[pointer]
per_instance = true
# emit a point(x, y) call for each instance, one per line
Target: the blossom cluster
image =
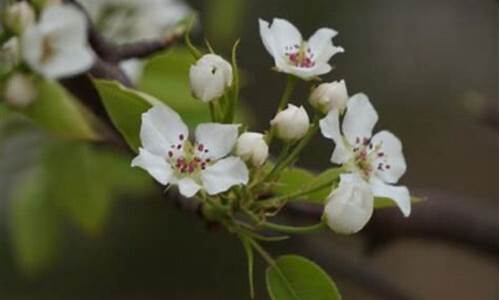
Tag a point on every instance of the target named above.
point(225, 164)
point(224, 158)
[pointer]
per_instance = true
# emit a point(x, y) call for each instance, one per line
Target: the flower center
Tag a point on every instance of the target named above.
point(186, 158)
point(300, 56)
point(47, 49)
point(368, 156)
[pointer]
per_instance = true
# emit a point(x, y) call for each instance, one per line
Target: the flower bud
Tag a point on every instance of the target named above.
point(20, 91)
point(291, 123)
point(9, 55)
point(252, 147)
point(327, 96)
point(210, 77)
point(350, 205)
point(19, 16)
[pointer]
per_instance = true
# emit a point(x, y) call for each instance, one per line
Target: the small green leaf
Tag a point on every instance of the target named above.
point(293, 180)
point(382, 202)
point(58, 111)
point(323, 178)
point(125, 107)
point(296, 278)
point(35, 229)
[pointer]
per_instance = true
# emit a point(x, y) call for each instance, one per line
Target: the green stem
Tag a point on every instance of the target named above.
point(290, 86)
point(265, 255)
point(212, 111)
point(276, 200)
point(294, 229)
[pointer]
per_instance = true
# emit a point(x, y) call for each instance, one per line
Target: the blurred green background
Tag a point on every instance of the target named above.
point(429, 67)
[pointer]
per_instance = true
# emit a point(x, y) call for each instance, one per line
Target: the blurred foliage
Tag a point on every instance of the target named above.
point(223, 21)
point(69, 121)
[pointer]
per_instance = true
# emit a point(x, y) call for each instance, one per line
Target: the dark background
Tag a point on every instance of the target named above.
point(429, 67)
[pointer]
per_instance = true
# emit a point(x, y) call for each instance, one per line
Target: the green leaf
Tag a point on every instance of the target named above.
point(382, 202)
point(125, 107)
point(58, 112)
point(296, 278)
point(293, 180)
point(83, 183)
point(35, 229)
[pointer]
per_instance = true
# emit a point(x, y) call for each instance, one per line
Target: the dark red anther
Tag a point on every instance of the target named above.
point(200, 147)
point(181, 137)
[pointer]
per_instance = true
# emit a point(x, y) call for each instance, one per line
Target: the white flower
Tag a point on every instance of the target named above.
point(350, 205)
point(133, 20)
point(291, 123)
point(169, 156)
point(377, 159)
point(251, 146)
point(19, 16)
point(293, 55)
point(57, 46)
point(20, 91)
point(327, 96)
point(210, 77)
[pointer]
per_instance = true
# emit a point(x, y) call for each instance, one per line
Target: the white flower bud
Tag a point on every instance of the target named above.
point(350, 205)
point(19, 16)
point(251, 146)
point(327, 96)
point(9, 55)
point(20, 91)
point(210, 77)
point(291, 123)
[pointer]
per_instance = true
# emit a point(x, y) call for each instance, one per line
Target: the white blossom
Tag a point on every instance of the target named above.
point(133, 69)
point(251, 146)
point(377, 159)
point(170, 158)
point(350, 205)
point(19, 16)
point(291, 123)
point(57, 46)
point(292, 54)
point(327, 96)
point(209, 77)
point(9, 55)
point(132, 20)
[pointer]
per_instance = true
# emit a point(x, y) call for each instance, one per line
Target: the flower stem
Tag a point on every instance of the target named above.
point(290, 86)
point(294, 229)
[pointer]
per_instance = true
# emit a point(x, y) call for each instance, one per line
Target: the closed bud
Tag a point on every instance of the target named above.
point(19, 16)
point(20, 91)
point(350, 205)
point(9, 55)
point(291, 123)
point(328, 96)
point(210, 77)
point(252, 147)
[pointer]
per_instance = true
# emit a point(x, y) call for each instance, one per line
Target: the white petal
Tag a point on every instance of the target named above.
point(330, 129)
point(391, 165)
point(188, 187)
point(31, 47)
point(219, 139)
point(350, 205)
point(321, 44)
point(266, 36)
point(359, 120)
point(398, 194)
point(155, 165)
point(161, 127)
point(68, 62)
point(284, 34)
point(224, 174)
